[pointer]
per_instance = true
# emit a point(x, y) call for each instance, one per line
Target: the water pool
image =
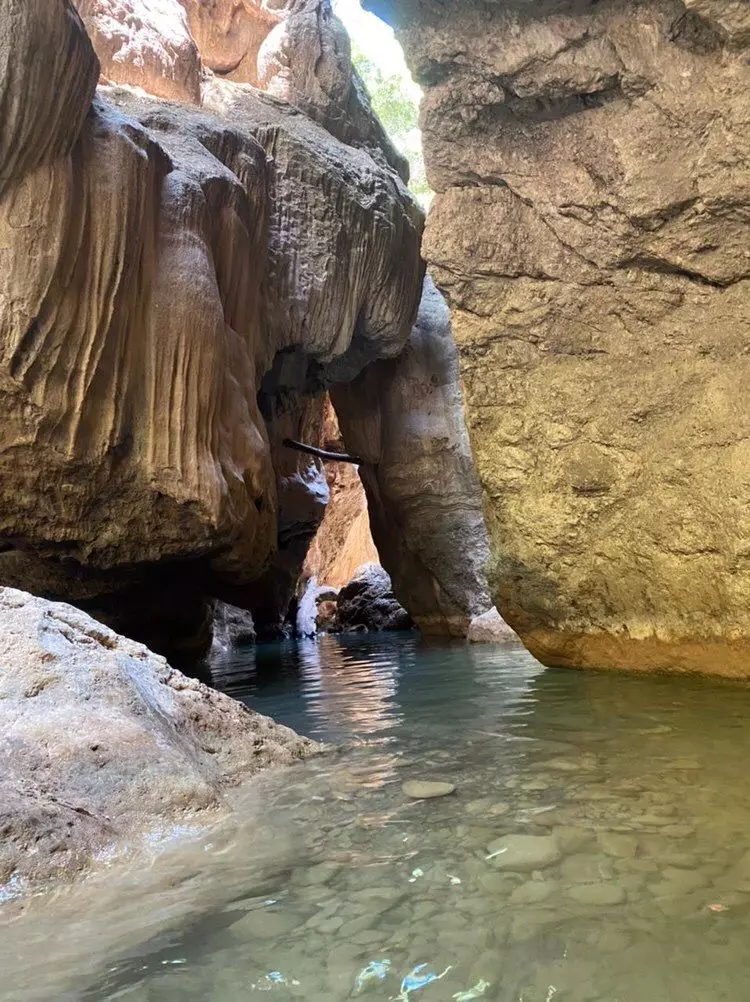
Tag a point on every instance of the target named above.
point(597, 846)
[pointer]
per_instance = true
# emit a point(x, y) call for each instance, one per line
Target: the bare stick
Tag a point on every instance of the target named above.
point(311, 450)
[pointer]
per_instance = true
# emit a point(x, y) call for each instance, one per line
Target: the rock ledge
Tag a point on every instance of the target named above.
point(102, 741)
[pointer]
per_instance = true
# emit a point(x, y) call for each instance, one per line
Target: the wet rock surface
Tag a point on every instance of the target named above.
point(427, 789)
point(601, 302)
point(232, 627)
point(103, 745)
point(367, 602)
point(489, 628)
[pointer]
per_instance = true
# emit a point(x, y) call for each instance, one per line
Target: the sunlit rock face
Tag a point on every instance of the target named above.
point(344, 541)
point(404, 417)
point(146, 43)
point(156, 259)
point(591, 230)
point(229, 33)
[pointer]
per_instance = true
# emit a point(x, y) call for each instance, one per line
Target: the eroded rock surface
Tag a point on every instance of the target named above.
point(155, 261)
point(591, 230)
point(367, 603)
point(101, 742)
point(405, 418)
point(146, 43)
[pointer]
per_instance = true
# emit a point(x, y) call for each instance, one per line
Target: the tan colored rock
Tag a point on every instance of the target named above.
point(101, 742)
point(591, 231)
point(229, 34)
point(302, 494)
point(427, 789)
point(405, 419)
point(306, 61)
point(344, 541)
point(155, 261)
point(341, 316)
point(146, 43)
point(48, 72)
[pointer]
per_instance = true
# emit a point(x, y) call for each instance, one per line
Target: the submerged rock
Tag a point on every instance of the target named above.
point(524, 853)
point(102, 741)
point(426, 789)
point(368, 603)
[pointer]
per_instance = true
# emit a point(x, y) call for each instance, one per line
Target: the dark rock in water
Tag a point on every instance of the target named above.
point(232, 626)
point(368, 603)
point(327, 618)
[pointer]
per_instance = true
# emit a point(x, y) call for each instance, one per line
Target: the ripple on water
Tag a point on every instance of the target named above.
point(597, 846)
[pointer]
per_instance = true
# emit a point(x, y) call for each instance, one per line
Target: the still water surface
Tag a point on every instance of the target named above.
point(597, 846)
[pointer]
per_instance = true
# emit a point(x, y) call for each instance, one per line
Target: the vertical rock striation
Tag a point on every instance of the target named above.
point(591, 230)
point(156, 259)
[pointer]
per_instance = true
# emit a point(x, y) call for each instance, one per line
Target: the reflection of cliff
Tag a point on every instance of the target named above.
point(590, 229)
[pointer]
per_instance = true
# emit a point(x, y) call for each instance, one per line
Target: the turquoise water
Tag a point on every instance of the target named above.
point(597, 846)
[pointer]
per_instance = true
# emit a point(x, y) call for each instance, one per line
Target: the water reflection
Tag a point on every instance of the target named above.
point(636, 886)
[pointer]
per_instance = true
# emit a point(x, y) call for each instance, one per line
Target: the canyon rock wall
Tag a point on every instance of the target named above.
point(592, 231)
point(404, 417)
point(156, 259)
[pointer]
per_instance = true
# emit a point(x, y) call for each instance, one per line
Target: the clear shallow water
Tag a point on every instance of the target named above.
point(635, 888)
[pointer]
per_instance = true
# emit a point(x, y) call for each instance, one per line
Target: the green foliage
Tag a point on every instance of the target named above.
point(398, 110)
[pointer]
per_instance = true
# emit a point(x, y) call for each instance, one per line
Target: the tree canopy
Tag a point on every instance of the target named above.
point(395, 105)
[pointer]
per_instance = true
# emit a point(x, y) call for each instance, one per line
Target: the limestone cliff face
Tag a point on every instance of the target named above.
point(404, 417)
point(161, 263)
point(591, 229)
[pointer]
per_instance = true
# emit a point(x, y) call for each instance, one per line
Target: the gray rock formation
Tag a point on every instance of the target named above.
point(489, 628)
point(405, 418)
point(367, 603)
point(102, 742)
point(591, 230)
point(231, 627)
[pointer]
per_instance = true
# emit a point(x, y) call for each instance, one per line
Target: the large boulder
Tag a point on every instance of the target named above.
point(591, 230)
point(405, 418)
point(102, 742)
point(146, 43)
point(231, 627)
point(367, 603)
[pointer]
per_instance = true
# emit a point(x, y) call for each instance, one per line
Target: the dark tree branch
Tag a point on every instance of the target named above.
point(311, 450)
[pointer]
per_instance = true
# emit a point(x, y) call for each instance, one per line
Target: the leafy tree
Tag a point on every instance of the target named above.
point(398, 110)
